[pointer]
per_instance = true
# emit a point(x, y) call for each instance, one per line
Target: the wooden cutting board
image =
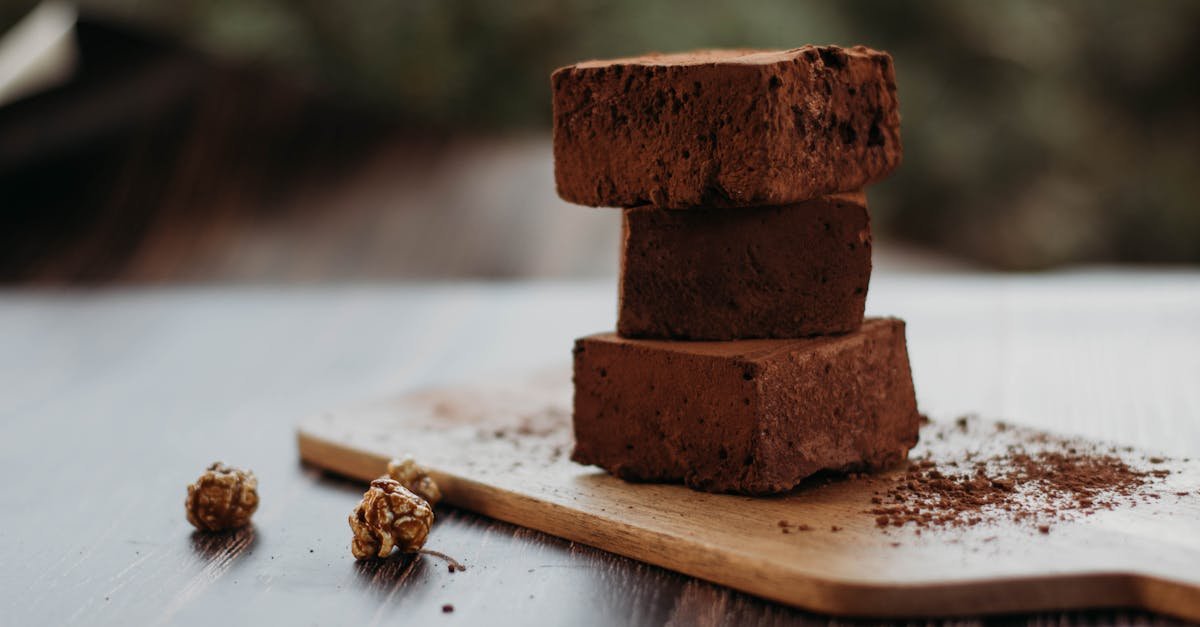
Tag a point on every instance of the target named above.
point(503, 450)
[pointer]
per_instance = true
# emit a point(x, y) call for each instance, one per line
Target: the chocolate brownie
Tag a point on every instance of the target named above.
point(713, 274)
point(724, 128)
point(751, 417)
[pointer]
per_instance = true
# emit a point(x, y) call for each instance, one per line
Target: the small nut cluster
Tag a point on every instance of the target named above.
point(389, 516)
point(414, 477)
point(222, 498)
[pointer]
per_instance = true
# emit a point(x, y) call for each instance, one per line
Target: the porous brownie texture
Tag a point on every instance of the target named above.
point(750, 417)
point(724, 128)
point(761, 272)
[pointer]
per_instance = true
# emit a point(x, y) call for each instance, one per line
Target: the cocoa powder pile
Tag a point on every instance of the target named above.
point(963, 477)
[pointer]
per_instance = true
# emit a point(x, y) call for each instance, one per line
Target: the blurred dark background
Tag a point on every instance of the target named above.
point(295, 141)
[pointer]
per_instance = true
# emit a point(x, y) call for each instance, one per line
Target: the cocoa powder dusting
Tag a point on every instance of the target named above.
point(1013, 474)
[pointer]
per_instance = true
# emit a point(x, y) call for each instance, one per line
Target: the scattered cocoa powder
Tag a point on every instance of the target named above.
point(969, 478)
point(786, 527)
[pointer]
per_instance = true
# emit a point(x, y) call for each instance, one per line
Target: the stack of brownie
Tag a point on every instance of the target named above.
point(741, 362)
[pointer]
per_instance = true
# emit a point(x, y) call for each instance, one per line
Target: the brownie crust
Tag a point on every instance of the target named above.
point(749, 417)
point(761, 272)
point(724, 128)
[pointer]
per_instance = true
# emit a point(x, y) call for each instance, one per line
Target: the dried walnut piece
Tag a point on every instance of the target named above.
point(222, 498)
point(414, 477)
point(389, 516)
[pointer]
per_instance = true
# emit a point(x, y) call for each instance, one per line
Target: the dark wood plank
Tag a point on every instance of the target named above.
point(112, 401)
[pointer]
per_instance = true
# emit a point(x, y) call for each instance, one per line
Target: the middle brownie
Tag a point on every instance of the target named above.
point(762, 272)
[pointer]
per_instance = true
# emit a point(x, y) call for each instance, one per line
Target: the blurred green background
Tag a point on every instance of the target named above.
point(1036, 133)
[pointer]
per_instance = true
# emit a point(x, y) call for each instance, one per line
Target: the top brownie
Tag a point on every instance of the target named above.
point(724, 128)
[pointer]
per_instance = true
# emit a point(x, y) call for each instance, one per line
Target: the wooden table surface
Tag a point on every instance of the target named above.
point(111, 401)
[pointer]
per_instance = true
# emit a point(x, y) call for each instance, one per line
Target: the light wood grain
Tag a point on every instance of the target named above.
point(502, 449)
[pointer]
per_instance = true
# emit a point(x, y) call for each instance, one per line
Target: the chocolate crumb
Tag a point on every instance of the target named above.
point(835, 528)
point(803, 527)
point(447, 608)
point(956, 479)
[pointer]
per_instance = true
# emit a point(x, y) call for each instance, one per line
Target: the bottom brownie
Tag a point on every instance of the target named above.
point(748, 416)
